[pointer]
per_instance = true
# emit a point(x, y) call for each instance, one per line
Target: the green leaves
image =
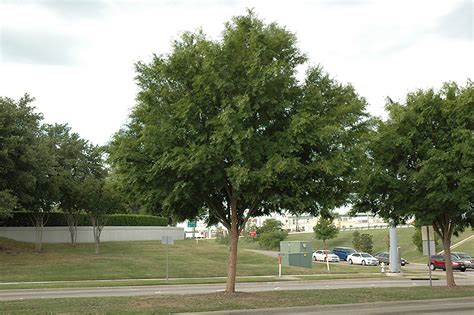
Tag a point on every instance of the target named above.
point(43, 166)
point(24, 162)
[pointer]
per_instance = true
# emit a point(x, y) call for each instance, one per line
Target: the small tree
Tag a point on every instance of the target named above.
point(325, 230)
point(100, 203)
point(75, 160)
point(270, 234)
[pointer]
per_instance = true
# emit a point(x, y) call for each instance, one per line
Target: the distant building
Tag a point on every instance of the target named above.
point(291, 223)
point(359, 221)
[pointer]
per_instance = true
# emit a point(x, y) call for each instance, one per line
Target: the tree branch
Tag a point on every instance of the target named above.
point(218, 212)
point(247, 217)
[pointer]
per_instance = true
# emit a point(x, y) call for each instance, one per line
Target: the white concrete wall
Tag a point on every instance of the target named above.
point(85, 235)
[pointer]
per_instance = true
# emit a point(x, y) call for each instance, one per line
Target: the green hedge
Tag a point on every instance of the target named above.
point(59, 219)
point(136, 220)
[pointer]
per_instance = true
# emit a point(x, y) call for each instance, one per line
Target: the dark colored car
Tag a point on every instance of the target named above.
point(468, 260)
point(385, 258)
point(438, 262)
point(343, 252)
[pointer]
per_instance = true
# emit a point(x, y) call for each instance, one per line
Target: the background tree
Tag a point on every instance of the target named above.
point(270, 234)
point(19, 129)
point(75, 160)
point(226, 126)
point(99, 201)
point(44, 189)
point(422, 162)
point(27, 173)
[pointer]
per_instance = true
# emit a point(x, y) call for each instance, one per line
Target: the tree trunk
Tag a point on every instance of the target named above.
point(447, 259)
point(72, 221)
point(327, 254)
point(39, 222)
point(39, 237)
point(97, 243)
point(95, 229)
point(234, 240)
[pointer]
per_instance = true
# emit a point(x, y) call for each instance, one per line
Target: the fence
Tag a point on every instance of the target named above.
point(61, 234)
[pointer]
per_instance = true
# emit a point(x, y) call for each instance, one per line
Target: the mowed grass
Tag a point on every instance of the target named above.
point(380, 239)
point(141, 260)
point(159, 304)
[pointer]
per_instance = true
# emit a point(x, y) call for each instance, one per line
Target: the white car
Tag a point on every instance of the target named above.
point(362, 259)
point(320, 255)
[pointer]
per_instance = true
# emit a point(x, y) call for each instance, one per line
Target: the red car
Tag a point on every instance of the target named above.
point(468, 260)
point(437, 262)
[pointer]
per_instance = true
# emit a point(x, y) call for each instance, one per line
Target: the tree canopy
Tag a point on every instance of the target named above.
point(24, 164)
point(45, 167)
point(422, 161)
point(225, 127)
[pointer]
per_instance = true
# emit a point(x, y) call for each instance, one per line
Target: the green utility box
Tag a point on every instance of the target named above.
point(297, 254)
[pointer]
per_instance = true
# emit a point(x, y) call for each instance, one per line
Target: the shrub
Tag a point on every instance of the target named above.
point(362, 242)
point(270, 234)
point(136, 220)
point(356, 239)
point(223, 239)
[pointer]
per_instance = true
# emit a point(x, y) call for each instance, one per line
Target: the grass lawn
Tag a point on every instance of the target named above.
point(143, 260)
point(139, 263)
point(160, 304)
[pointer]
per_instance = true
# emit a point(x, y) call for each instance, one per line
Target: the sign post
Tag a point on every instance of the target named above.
point(279, 266)
point(167, 240)
point(427, 237)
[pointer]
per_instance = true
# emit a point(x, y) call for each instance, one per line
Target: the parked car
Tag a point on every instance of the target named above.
point(468, 260)
point(343, 252)
point(362, 259)
point(320, 255)
point(385, 258)
point(438, 262)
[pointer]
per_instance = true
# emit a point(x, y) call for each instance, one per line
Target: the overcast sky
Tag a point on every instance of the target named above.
point(77, 57)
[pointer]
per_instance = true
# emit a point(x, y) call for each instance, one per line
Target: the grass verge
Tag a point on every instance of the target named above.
point(218, 301)
point(210, 280)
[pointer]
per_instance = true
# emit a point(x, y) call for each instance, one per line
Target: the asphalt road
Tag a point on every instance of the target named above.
point(6, 295)
point(458, 306)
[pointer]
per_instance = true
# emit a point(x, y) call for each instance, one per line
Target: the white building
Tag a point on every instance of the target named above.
point(291, 223)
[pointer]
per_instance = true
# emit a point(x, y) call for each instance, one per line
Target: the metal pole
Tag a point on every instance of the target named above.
point(393, 249)
point(429, 254)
